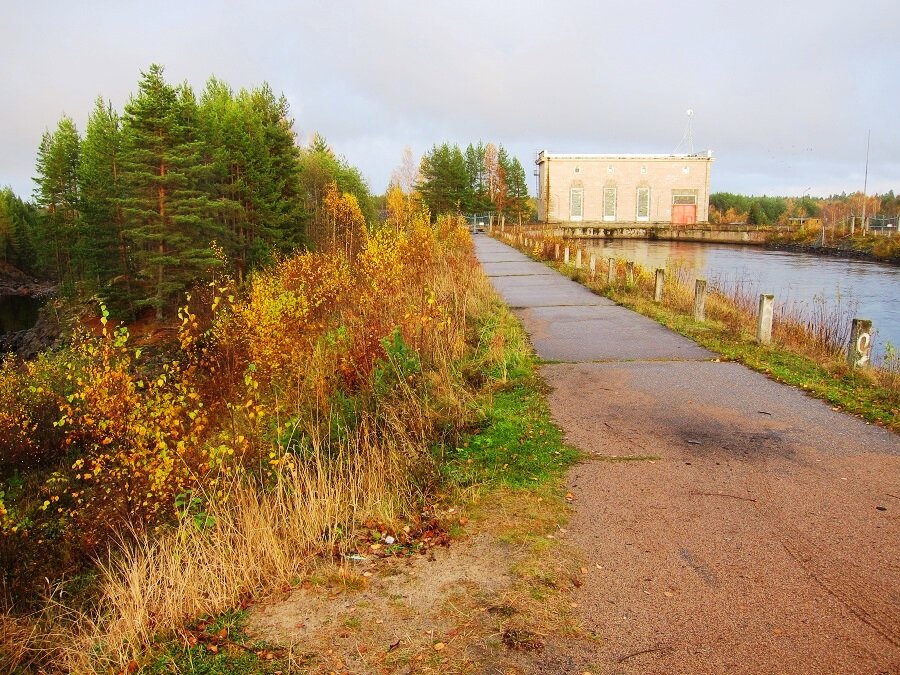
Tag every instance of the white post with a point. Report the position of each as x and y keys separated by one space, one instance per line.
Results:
x=764 y=324
x=611 y=271
x=566 y=256
x=578 y=259
x=700 y=300
x=660 y=282
x=860 y=348
x=593 y=264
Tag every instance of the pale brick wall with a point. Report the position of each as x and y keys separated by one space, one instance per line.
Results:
x=661 y=173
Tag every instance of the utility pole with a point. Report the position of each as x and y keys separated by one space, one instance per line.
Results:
x=866 y=185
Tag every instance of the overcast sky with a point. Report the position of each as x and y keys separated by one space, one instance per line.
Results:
x=783 y=92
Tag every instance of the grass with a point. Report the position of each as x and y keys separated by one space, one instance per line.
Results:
x=217 y=647
x=519 y=446
x=882 y=248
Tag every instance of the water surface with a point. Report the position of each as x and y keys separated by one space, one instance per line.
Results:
x=799 y=280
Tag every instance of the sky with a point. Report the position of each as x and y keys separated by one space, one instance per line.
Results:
x=784 y=92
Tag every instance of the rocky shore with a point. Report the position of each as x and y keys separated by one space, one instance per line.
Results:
x=831 y=251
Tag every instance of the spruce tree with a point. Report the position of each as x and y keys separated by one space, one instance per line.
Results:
x=167 y=214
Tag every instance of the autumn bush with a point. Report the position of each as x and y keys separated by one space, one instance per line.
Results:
x=289 y=408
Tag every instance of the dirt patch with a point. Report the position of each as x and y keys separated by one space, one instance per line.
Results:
x=486 y=603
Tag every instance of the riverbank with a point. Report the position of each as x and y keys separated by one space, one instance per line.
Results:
x=15 y=282
x=807 y=352
x=874 y=249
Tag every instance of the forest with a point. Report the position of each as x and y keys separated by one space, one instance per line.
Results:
x=834 y=210
x=481 y=178
x=126 y=212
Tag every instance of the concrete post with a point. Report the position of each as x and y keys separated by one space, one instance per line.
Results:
x=860 y=348
x=764 y=325
x=611 y=272
x=556 y=252
x=660 y=282
x=629 y=273
x=593 y=265
x=700 y=300
x=566 y=256
x=578 y=259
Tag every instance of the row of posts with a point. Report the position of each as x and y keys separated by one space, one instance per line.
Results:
x=859 y=350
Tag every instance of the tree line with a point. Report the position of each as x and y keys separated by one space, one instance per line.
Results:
x=483 y=177
x=726 y=207
x=150 y=200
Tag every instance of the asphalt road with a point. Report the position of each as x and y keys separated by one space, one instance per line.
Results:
x=730 y=524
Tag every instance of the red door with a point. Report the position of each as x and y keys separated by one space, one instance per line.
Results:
x=684 y=214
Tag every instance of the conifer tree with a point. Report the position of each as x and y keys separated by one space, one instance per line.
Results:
x=56 y=193
x=16 y=231
x=167 y=215
x=104 y=249
x=517 y=190
x=444 y=181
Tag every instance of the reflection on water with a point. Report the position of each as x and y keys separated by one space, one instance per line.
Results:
x=796 y=279
x=18 y=312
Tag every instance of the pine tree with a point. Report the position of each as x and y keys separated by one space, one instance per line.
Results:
x=56 y=194
x=318 y=168
x=16 y=231
x=167 y=215
x=518 y=190
x=103 y=241
x=444 y=181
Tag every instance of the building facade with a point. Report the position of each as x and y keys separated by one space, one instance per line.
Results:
x=643 y=189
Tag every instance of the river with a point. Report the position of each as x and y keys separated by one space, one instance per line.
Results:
x=18 y=312
x=798 y=280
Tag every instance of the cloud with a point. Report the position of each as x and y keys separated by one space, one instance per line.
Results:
x=783 y=92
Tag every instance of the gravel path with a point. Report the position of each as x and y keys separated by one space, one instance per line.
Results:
x=730 y=524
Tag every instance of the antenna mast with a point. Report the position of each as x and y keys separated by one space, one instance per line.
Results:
x=688 y=138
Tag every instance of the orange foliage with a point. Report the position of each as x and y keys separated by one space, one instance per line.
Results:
x=140 y=432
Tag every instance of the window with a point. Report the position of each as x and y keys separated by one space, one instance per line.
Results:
x=688 y=197
x=644 y=170
x=577 y=169
x=685 y=170
x=609 y=204
x=609 y=168
x=576 y=211
x=643 y=204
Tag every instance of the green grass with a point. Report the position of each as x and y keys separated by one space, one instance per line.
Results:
x=519 y=445
x=235 y=653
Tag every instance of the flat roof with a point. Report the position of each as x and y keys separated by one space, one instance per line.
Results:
x=703 y=154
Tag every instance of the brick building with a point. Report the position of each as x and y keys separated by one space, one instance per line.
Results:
x=663 y=189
